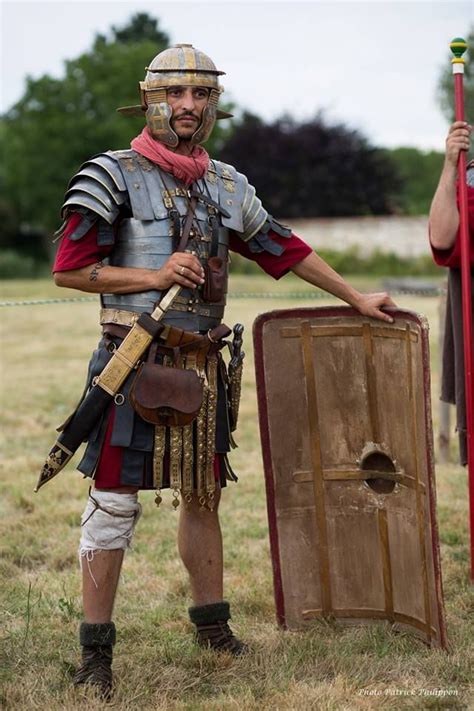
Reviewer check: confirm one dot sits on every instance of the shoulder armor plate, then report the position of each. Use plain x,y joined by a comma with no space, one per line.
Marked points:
238,197
98,186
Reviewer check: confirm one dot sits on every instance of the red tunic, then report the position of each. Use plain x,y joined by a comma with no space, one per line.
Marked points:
76,254
452,257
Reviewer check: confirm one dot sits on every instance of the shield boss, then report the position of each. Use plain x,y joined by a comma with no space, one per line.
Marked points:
345,421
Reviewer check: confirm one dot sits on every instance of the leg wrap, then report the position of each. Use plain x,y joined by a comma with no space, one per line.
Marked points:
212,630
97,634
208,614
97,641
108,521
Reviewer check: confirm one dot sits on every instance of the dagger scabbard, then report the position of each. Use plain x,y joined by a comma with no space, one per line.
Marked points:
235,374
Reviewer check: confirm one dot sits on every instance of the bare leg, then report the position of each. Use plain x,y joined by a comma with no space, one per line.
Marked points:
200,548
100,578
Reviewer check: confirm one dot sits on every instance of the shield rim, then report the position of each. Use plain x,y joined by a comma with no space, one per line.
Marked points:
325,312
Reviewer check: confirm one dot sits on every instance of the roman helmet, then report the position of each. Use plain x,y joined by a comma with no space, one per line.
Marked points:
180,65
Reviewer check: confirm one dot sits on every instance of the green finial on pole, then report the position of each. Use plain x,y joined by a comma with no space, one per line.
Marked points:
458,46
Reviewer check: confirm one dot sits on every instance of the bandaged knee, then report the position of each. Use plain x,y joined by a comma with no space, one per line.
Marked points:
108,521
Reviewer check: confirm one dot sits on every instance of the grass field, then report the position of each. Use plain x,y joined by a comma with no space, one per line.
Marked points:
44,357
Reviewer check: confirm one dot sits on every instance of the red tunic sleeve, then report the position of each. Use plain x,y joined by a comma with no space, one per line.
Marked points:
274,265
452,257
75,254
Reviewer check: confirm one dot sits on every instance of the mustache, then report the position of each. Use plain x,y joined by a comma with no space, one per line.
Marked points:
187,114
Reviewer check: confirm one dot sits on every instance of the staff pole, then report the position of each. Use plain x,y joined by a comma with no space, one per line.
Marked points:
458,47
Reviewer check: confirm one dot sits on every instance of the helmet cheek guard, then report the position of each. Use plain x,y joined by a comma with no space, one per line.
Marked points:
158,121
158,114
209,116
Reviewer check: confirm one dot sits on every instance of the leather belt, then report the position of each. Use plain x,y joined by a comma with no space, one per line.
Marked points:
119,316
174,337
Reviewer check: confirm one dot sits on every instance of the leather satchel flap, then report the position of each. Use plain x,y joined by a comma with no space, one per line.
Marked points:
159,386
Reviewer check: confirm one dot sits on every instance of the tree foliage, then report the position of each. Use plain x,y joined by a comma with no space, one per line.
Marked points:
311,169
60,122
446,84
419,172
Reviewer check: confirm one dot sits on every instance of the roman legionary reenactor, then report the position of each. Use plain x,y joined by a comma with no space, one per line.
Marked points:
150,229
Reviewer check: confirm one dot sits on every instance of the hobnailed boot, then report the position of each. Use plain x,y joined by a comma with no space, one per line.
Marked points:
212,630
97,641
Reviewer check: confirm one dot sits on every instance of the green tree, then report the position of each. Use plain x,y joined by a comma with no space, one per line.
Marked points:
419,171
446,84
59,123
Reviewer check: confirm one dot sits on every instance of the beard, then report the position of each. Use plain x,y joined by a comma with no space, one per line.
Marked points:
185,131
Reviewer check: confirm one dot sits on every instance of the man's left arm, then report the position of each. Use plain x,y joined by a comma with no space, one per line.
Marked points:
277,250
316,271
298,257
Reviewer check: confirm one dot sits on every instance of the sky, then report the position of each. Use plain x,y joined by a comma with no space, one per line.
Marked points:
372,65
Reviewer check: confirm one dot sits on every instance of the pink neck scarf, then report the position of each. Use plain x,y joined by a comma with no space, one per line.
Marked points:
184,168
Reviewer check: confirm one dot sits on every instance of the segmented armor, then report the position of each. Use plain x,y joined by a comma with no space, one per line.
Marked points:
121,183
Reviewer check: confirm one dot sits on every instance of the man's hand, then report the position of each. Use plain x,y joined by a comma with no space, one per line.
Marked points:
316,271
458,140
181,268
371,305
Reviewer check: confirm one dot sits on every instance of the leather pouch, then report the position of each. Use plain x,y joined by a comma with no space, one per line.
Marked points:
215,280
166,396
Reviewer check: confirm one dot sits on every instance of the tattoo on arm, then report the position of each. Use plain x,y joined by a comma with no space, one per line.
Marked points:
94,275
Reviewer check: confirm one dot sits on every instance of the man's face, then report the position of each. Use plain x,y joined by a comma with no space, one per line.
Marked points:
187,104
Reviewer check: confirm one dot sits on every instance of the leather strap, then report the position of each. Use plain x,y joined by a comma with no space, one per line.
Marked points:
115,330
187,225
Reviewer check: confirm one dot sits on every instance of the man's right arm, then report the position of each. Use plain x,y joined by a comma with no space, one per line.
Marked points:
444,215
79,265
181,268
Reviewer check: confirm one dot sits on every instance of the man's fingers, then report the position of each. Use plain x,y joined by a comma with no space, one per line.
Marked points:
189,275
459,124
385,317
182,281
374,304
189,261
188,265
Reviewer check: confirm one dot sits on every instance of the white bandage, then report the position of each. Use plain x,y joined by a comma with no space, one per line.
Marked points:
108,522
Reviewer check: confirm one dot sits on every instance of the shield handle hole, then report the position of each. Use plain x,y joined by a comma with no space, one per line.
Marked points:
380,472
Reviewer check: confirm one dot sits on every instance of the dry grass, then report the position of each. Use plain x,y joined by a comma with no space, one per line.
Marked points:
157,666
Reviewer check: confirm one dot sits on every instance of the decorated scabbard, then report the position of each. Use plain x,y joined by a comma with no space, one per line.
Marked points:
104,388
235,374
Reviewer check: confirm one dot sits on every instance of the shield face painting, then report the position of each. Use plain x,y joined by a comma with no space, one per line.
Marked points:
345,422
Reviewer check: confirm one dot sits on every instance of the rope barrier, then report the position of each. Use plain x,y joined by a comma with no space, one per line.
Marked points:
40,302
242,295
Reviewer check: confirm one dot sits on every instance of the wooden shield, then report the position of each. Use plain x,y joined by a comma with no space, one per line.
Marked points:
345,422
